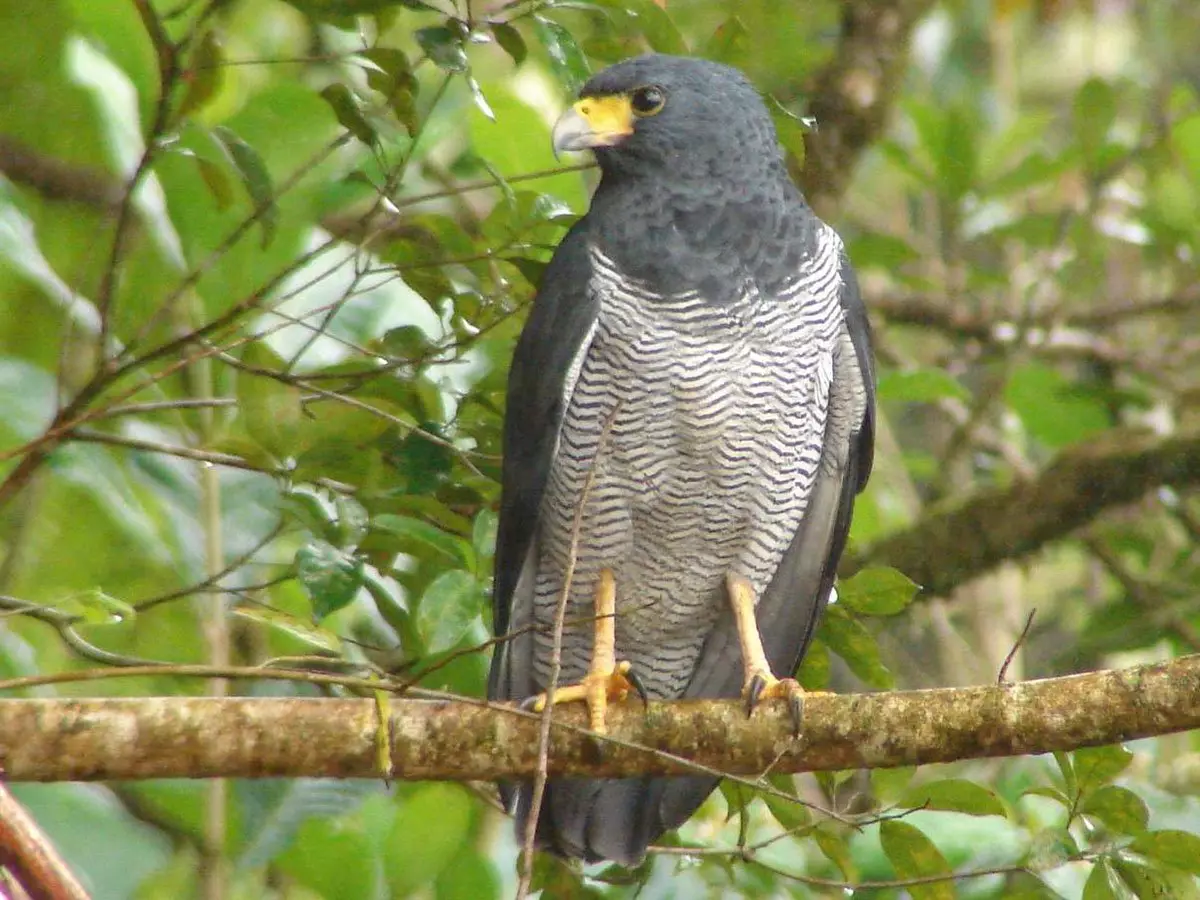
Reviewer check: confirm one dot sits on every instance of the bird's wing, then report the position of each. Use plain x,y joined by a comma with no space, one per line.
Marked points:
544,366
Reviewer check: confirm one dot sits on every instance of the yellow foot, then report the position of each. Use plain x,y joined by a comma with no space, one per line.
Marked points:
607,680
598,689
762,685
759,683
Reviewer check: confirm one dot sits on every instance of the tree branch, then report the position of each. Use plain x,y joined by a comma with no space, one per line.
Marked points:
950,546
27,852
853,95
198,737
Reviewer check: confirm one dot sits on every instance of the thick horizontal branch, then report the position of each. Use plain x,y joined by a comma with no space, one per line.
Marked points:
949,547
190,737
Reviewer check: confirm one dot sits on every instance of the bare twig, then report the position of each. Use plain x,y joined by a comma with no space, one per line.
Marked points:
560,614
1002,675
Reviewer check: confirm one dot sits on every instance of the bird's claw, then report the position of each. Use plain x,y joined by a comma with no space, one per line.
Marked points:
765,686
598,689
635,681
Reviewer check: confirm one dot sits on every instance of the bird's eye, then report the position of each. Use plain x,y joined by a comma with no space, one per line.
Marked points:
647,101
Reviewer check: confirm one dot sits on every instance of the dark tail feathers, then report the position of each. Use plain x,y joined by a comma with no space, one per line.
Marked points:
616,819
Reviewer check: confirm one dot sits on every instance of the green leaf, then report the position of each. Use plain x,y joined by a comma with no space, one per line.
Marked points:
352,522
216,179
269,409
567,60
1095,110
483,534
431,825
886,251
204,74
651,21
479,100
1120,809
444,46
256,179
813,671
449,607
469,875
913,855
1177,849
336,862
877,591
837,851
510,41
958,159
1095,766
1035,169
954,795
791,815
921,386
1053,793
391,605
791,130
1053,409
848,638
307,508
1185,141
1103,884
888,785
345,107
737,798
1155,884
423,534
94,607
730,43
1067,769
331,576
389,74
314,636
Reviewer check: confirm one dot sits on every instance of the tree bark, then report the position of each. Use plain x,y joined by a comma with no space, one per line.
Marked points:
853,95
198,737
952,545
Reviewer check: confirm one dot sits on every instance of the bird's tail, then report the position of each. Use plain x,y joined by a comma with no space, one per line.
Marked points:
612,818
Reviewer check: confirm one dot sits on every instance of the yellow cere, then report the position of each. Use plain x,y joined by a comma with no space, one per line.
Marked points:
608,117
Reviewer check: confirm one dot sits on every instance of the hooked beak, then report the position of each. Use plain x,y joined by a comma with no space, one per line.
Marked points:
593,122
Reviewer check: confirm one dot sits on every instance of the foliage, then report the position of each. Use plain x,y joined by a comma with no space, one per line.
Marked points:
262,265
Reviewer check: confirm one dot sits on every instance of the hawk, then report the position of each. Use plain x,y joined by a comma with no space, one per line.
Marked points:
690,416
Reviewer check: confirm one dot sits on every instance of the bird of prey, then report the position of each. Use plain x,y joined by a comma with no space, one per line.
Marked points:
690,416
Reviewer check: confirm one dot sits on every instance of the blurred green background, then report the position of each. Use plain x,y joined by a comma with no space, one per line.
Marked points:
282,363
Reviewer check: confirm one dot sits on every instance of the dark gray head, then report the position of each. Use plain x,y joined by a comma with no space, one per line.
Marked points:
693,118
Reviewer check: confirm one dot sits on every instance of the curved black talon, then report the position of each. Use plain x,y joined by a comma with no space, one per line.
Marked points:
758,684
529,703
796,708
638,685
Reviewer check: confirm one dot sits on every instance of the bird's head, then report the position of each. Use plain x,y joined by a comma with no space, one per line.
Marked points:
691,116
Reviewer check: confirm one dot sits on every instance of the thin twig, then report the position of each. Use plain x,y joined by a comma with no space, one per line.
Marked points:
1002,676
560,615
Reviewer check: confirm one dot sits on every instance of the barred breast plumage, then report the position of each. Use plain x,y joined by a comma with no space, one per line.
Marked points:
715,419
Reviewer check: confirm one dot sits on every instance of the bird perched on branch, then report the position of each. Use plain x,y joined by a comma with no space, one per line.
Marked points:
690,416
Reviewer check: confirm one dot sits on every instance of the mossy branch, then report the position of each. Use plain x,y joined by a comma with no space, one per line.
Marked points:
951,545
199,737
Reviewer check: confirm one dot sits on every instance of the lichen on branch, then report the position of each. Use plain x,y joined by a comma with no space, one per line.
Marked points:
199,737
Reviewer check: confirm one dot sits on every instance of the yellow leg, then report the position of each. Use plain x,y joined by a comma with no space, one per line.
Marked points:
758,682
608,680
